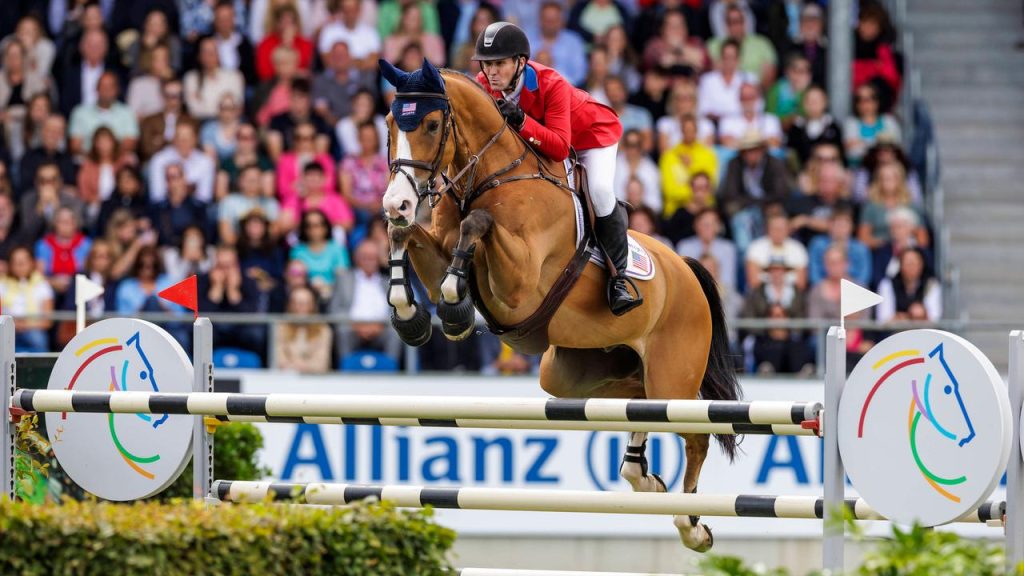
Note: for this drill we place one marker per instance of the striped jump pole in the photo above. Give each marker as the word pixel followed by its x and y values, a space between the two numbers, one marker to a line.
pixel 751 506
pixel 421 407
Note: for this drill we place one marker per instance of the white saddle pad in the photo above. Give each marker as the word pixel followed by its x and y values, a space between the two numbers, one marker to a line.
pixel 641 265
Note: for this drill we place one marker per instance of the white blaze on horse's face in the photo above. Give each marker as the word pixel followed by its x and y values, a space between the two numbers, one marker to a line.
pixel 400 200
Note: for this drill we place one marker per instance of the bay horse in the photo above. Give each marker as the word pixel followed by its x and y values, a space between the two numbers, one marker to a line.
pixel 510 238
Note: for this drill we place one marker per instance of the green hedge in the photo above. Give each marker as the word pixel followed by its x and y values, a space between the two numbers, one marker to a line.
pixel 87 538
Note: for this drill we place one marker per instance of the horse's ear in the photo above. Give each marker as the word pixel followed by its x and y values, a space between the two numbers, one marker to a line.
pixel 432 76
pixel 396 77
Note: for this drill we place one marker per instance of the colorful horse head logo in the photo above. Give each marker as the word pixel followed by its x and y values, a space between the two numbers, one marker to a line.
pixel 129 362
pixel 936 397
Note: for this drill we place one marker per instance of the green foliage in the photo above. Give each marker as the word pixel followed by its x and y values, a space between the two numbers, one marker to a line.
pixel 923 552
pixel 31 465
pixel 185 537
pixel 234 458
pixel 733 566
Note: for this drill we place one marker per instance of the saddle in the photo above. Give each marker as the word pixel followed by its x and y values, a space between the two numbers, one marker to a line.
pixel 531 335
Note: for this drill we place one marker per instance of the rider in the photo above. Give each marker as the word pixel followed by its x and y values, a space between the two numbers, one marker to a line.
pixel 552 115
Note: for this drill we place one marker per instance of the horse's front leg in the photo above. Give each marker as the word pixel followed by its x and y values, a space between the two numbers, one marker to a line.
pixel 455 308
pixel 411 320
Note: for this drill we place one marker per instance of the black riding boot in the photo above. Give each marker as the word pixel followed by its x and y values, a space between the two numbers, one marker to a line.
pixel 611 234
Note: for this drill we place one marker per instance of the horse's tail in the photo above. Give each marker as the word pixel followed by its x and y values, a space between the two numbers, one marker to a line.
pixel 720 375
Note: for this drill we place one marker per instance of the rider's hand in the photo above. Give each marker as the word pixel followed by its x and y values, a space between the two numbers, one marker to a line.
pixel 512 112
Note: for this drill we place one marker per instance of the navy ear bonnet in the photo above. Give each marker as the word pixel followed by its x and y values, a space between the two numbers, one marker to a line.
pixel 409 112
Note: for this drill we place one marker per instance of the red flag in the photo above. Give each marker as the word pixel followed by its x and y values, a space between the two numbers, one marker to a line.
pixel 184 293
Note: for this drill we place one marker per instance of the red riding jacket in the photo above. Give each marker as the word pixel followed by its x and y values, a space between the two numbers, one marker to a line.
pixel 559 115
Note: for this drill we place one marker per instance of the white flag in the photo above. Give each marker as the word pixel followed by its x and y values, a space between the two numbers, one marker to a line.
pixel 853 298
pixel 85 289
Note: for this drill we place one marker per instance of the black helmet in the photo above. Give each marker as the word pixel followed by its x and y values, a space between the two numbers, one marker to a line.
pixel 501 40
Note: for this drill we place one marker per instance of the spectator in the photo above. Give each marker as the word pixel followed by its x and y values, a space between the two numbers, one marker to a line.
pixel 840 233
pixel 314 195
pixel 708 241
pixel 155 32
pixel 81 78
pixel 644 220
pixel 811 42
pixel 157 130
pixel 219 137
pixel 51 149
pixel 787 94
pixel 592 19
pixel 411 30
pixel 305 348
pixel 137 292
pixel 654 95
pixel 39 206
pixel 362 294
pixel 362 39
pixel 10 236
pixel 777 245
pixel 825 298
pixel 39 50
pixel 632 117
pixel 622 61
pixel 681 224
pixel 874 63
pixel 234 49
pixel 886 259
pixel 888 193
pixel 178 209
pixel 26 293
pixel 97 178
pixel 683 104
pixel 281 135
pixel 274 96
pixel 198 168
pixel 814 126
pixel 145 91
pixel 564 48
pixel 336 87
pixel 249 197
pixel 225 290
pixel 719 90
pixel 681 162
pixel 39 109
pixel 208 84
pixel 718 13
pixel 17 87
pixel 597 73
pixel 674 47
pixel 633 164
pixel 128 235
pixel 261 257
pixel 61 253
pixel 390 14
pixel 750 118
pixel 286 32
pixel 197 17
pixel 99 263
pixel 868 126
pixel 812 209
pixel 261 20
pixel 364 177
pixel 885 152
pixel 247 151
pixel 753 177
pixel 319 252
pixel 363 110
pixel 191 256
pixel 912 294
pixel 485 15
pixel 756 53
pixel 127 195
pixel 107 111
pixel 779 350
pixel 291 164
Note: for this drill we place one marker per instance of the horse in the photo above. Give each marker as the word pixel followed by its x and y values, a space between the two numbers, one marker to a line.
pixel 509 238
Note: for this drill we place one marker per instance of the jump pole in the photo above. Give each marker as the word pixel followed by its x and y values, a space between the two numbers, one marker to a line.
pixel 7 388
pixel 833 531
pixel 1015 468
pixel 202 382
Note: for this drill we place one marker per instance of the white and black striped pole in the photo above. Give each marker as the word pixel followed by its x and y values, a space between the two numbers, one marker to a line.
pixel 511 499
pixel 7 388
pixel 293 406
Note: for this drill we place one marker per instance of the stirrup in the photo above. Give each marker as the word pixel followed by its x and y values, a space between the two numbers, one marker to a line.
pixel 630 304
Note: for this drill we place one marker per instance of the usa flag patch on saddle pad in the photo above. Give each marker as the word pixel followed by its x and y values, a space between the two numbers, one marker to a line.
pixel 641 265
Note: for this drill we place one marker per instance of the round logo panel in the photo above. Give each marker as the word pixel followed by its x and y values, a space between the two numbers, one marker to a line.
pixel 122 456
pixel 924 427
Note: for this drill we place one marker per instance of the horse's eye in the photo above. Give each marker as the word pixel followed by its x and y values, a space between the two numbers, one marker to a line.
pixel 432 126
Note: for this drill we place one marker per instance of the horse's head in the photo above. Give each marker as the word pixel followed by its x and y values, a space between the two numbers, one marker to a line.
pixel 943 404
pixel 419 144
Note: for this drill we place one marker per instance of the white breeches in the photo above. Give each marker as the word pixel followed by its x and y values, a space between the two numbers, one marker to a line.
pixel 600 165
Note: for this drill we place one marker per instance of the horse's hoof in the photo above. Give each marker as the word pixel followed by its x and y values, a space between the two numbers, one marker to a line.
pixel 414 331
pixel 457 320
pixel 708 543
pixel 661 483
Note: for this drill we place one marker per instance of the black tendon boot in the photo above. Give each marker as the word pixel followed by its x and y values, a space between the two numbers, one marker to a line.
pixel 611 234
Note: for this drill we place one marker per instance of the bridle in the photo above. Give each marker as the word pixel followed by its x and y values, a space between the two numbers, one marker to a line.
pixel 428 189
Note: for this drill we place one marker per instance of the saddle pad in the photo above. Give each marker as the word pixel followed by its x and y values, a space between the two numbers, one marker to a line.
pixel 641 265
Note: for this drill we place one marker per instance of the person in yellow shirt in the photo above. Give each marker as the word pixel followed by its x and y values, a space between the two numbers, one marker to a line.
pixel 680 162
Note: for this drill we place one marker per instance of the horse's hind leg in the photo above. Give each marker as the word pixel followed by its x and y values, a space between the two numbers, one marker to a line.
pixel 634 466
pixel 696 536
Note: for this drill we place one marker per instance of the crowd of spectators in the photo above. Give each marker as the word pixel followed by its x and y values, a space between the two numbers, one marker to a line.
pixel 144 141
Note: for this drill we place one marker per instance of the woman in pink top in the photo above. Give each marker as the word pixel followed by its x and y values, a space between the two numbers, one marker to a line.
pixel 278 100
pixel 315 194
pixel 291 164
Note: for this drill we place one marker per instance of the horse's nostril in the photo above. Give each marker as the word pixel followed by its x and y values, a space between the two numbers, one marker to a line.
pixel 404 206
